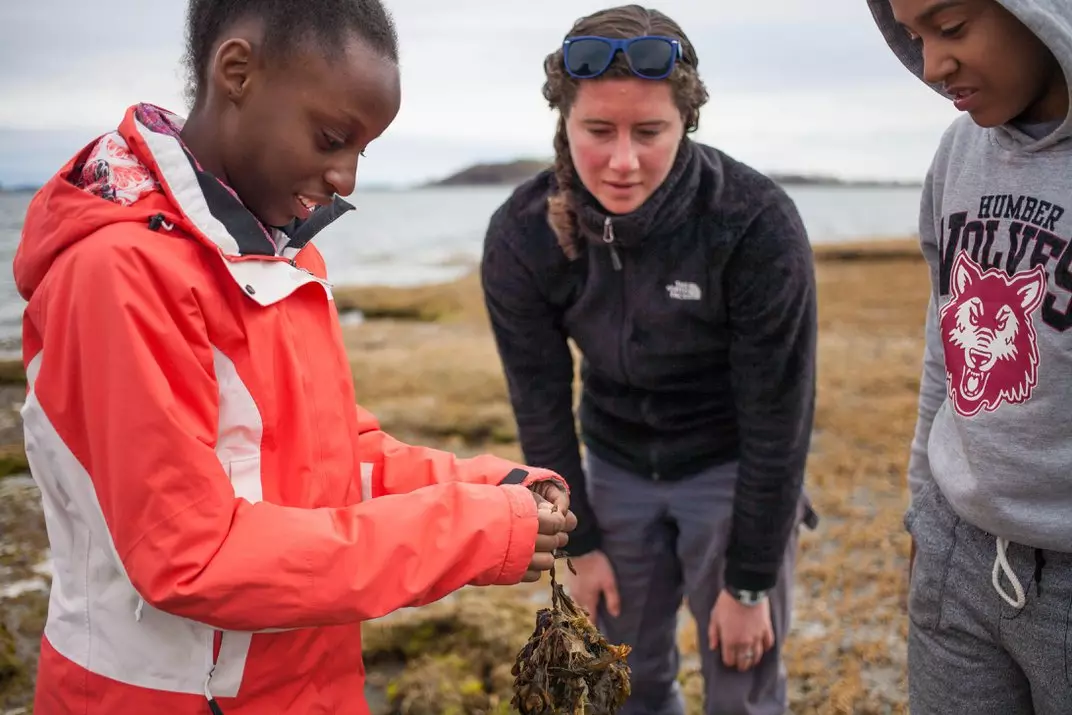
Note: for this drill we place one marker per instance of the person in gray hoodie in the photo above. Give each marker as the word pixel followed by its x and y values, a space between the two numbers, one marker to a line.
pixel 990 469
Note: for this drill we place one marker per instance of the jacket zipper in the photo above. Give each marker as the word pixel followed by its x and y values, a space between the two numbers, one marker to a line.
pixel 616 261
pixel 217 642
pixel 608 238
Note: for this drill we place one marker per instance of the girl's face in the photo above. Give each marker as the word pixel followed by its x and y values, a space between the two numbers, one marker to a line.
pixel 995 67
pixel 624 135
pixel 292 132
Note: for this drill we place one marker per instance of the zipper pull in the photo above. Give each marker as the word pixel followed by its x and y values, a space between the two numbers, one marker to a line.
pixel 608 238
pixel 213 706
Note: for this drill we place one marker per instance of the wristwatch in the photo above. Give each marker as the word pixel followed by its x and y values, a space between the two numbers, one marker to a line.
pixel 747 598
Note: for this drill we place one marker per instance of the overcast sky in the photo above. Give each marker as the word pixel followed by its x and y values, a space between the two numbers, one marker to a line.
pixel 796 85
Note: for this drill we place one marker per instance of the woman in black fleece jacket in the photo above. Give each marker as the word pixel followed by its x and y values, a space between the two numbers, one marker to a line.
pixel 686 280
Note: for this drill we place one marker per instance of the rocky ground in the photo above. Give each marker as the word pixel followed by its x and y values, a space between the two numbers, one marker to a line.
pixel 424 361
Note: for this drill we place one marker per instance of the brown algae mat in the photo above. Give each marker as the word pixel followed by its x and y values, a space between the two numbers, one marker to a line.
pixel 425 363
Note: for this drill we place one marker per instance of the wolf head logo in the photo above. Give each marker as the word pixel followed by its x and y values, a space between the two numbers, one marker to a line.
pixel 991 348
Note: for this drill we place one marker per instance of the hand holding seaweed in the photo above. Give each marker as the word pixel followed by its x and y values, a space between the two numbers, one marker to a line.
pixel 567 667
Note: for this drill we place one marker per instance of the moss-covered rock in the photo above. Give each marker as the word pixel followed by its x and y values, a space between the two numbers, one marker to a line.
pixel 423 303
pixel 12 460
pixel 12 372
pixel 13 676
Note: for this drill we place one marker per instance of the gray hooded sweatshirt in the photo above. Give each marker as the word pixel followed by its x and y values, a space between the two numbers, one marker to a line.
pixel 996 230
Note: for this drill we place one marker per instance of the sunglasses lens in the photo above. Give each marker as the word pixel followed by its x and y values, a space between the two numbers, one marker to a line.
pixel 651 57
pixel 587 58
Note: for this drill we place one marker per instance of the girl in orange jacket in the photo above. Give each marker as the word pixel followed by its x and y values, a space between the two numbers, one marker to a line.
pixel 221 515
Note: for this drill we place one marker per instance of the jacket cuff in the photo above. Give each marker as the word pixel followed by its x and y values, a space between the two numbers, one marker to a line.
pixel 528 477
pixel 521 542
pixel 747 580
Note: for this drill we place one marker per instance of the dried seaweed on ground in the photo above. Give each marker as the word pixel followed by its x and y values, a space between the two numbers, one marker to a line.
pixel 567 667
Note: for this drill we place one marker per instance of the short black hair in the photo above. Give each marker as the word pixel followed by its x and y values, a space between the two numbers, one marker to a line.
pixel 286 22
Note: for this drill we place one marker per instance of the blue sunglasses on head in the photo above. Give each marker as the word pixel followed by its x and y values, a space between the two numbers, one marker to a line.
pixel 649 57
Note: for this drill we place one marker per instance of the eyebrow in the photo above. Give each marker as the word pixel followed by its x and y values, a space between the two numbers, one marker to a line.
pixel 937 8
pixel 645 123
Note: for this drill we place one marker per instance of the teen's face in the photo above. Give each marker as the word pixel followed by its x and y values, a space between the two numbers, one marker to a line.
pixel 996 68
pixel 294 131
pixel 623 135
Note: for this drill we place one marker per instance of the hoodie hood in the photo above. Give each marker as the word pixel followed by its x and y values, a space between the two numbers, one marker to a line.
pixel 142 173
pixel 1049 20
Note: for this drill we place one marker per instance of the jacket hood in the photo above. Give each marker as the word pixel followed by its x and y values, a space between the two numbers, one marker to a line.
pixel 143 173
pixel 1050 20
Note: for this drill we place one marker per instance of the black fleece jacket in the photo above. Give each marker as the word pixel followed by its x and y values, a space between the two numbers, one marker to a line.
pixel 696 319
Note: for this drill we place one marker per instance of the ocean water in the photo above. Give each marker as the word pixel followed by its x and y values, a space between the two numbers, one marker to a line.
pixel 416 236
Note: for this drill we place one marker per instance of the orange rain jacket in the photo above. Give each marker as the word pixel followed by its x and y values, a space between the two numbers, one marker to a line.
pixel 221 514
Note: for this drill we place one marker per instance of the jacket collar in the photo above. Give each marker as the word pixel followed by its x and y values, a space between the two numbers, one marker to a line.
pixel 212 208
pixel 664 212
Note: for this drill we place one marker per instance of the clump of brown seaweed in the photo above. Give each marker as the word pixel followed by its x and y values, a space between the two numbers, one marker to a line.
pixel 567 667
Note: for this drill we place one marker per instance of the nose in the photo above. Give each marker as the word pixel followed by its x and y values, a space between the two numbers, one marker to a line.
pixel 938 62
pixel 341 174
pixel 624 157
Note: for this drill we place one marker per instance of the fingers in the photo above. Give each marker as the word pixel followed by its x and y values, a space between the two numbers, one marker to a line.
pixel 550 537
pixel 610 594
pixel 749 655
pixel 551 521
pixel 744 657
pixel 729 655
pixel 557 496
pixel 551 542
pixel 571 521
pixel 541 561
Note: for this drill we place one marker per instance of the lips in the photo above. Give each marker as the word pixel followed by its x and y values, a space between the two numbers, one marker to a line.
pixel 964 98
pixel 307 204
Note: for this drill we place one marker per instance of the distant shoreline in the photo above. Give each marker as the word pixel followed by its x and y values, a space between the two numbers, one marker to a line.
pixel 519 170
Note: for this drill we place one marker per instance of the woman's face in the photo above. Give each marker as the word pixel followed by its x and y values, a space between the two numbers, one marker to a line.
pixel 624 134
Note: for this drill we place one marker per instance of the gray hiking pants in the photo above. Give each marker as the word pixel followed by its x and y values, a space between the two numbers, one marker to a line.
pixel 666 541
pixel 970 651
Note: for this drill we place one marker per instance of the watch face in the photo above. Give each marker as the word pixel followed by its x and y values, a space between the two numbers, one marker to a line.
pixel 749 598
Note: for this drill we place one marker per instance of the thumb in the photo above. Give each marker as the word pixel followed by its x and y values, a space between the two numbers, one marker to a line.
pixel 712 632
pixel 610 592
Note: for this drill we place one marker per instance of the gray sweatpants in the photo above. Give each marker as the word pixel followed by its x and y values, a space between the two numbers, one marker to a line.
pixel 666 541
pixel 970 652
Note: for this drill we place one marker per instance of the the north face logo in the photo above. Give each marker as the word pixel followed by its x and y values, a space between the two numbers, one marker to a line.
pixel 991 348
pixel 684 290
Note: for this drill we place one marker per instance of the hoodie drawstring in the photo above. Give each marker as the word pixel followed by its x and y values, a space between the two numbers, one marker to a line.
pixel 1001 566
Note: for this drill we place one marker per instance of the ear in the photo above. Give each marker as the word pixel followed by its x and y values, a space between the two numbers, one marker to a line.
pixel 231 68
pixel 1029 287
pixel 964 272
